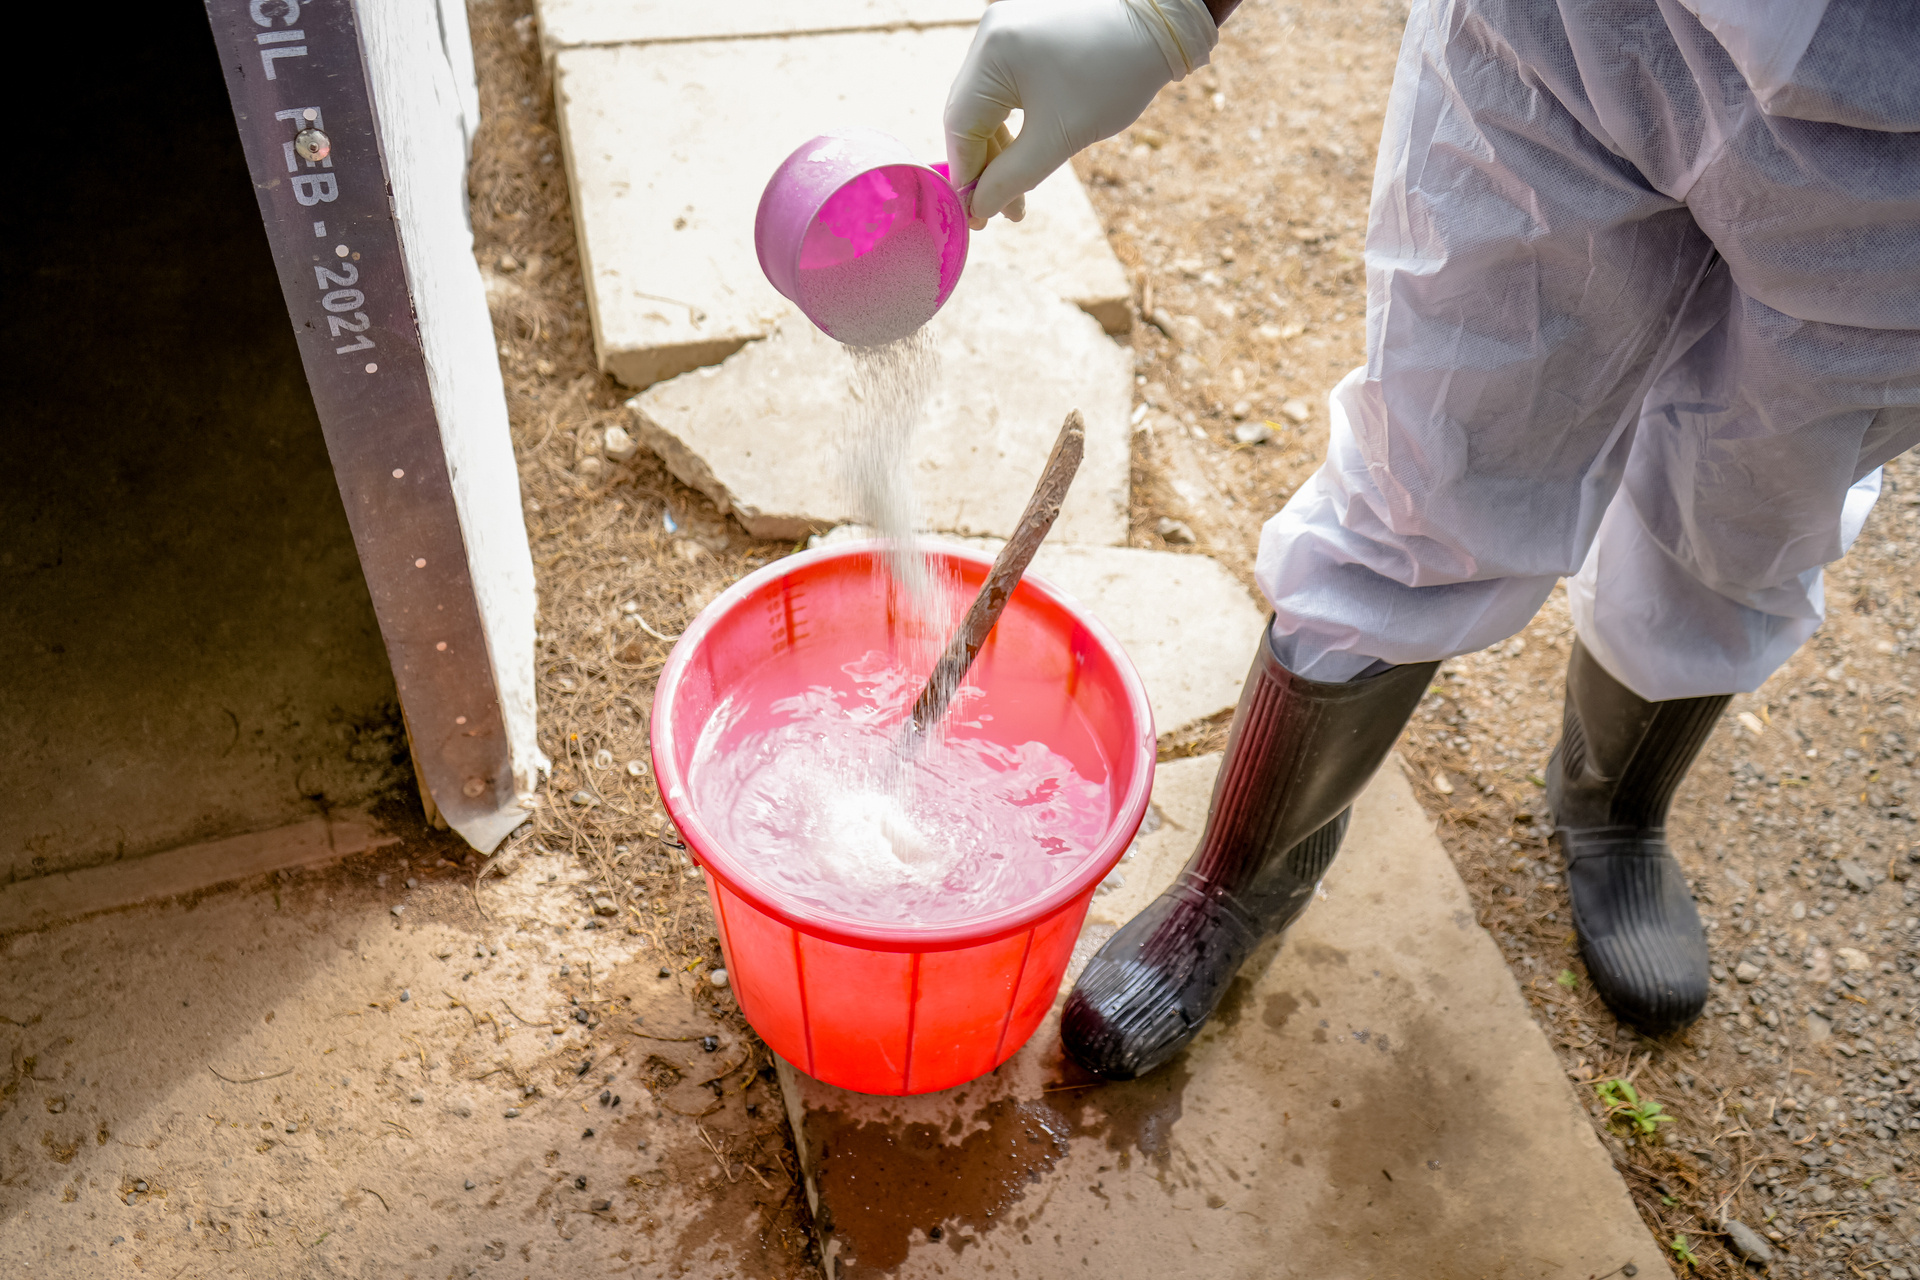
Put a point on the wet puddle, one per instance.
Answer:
(885, 1187)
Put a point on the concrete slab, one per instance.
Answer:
(565, 24)
(1378, 1103)
(669, 146)
(1190, 629)
(760, 433)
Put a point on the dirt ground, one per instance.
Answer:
(410, 1064)
(1239, 203)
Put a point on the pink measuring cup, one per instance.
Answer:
(862, 237)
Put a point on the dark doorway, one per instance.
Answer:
(187, 647)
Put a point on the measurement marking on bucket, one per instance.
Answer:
(806, 1016)
(792, 617)
(1013, 999)
(913, 1015)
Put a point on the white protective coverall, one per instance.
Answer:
(1644, 308)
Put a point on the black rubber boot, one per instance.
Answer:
(1609, 783)
(1299, 752)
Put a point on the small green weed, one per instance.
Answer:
(1568, 979)
(1644, 1116)
(1684, 1251)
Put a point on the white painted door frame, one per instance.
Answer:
(375, 255)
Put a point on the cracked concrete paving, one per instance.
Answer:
(1377, 1103)
(762, 433)
(666, 229)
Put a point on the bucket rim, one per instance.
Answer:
(711, 854)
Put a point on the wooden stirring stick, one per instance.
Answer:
(1043, 508)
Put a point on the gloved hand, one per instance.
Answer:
(1081, 70)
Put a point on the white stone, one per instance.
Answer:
(619, 445)
(760, 433)
(669, 146)
(565, 23)
(1333, 1116)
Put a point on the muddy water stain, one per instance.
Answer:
(880, 1183)
(884, 1185)
(1279, 1007)
(1127, 1116)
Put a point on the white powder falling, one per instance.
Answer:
(891, 384)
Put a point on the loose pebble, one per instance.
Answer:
(405, 996)
(1748, 1243)
(1177, 532)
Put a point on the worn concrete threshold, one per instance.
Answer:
(68, 895)
(1378, 1102)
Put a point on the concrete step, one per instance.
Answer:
(761, 434)
(69, 895)
(1378, 1103)
(668, 147)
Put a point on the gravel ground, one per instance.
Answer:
(1239, 203)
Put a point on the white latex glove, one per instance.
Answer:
(1081, 70)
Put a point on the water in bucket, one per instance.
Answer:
(820, 794)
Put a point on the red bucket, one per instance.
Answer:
(897, 1007)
